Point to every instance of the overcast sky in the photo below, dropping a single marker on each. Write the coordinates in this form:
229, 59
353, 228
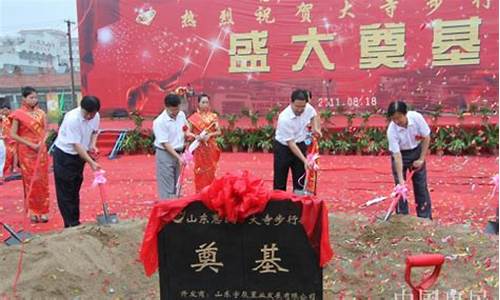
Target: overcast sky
18, 15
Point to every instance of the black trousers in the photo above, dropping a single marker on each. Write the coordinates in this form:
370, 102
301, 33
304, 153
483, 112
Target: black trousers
284, 159
68, 174
419, 179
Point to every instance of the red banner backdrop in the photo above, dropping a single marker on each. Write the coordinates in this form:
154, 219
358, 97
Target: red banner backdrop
358, 55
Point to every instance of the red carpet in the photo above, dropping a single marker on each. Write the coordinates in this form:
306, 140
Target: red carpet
459, 187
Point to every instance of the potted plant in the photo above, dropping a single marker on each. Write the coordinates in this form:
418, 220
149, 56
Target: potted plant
325, 146
250, 141
326, 115
485, 114
361, 143
491, 138
132, 142
231, 120
137, 118
265, 145
366, 117
456, 146
266, 134
377, 141
440, 142
473, 141
350, 118
438, 147
254, 118
234, 139
341, 147
269, 116
148, 143
221, 142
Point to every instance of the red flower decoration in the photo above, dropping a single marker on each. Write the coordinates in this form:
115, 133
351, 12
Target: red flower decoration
235, 197
184, 128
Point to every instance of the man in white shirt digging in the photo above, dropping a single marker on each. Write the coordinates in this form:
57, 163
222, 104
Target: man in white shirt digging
409, 137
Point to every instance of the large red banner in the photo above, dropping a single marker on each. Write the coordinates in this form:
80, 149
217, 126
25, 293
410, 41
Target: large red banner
357, 55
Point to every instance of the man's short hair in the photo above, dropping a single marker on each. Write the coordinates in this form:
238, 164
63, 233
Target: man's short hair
172, 100
397, 106
90, 104
300, 94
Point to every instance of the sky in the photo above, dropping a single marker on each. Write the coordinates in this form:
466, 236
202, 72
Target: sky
18, 15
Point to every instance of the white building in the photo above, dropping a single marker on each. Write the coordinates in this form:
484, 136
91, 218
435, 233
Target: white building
37, 51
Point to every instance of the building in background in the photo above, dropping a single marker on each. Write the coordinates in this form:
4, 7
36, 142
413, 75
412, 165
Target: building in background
39, 58
37, 51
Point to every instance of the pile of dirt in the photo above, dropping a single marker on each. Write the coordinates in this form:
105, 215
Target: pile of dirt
93, 262
85, 262
371, 257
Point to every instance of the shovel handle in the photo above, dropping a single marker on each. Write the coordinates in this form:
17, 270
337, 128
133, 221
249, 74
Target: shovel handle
424, 260
12, 232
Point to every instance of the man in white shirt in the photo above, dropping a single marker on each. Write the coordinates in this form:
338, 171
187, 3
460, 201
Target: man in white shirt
75, 142
289, 147
409, 136
170, 129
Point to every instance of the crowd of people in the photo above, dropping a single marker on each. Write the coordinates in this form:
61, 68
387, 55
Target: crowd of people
177, 139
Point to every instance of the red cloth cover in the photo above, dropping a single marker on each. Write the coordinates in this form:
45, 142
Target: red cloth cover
235, 198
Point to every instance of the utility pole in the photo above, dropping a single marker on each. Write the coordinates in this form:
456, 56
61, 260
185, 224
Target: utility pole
73, 94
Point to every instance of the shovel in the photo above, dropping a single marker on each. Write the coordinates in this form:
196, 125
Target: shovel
303, 191
423, 260
106, 218
492, 226
15, 238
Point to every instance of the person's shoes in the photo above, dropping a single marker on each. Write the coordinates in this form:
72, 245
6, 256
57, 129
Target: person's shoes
13, 176
44, 219
34, 219
72, 225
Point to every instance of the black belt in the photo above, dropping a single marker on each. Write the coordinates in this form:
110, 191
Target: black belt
179, 151
410, 150
298, 144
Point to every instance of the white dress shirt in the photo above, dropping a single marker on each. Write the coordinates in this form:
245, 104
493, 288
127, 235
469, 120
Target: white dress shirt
401, 138
76, 130
168, 130
292, 127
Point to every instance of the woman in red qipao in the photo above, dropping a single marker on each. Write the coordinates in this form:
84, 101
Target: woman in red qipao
10, 166
205, 126
28, 129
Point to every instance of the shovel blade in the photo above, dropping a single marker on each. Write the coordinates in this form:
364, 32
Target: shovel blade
17, 238
107, 219
491, 227
302, 193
